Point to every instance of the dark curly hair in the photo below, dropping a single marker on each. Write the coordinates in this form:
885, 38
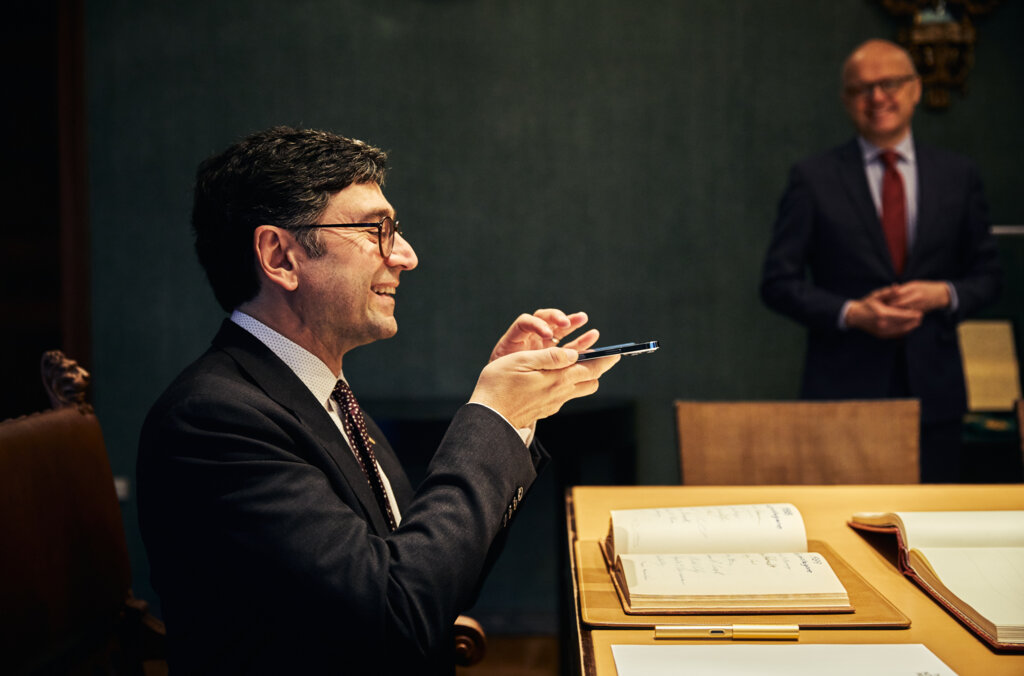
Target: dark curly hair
281, 176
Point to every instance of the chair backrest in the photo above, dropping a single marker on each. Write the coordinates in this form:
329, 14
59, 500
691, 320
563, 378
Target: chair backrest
1019, 405
798, 442
64, 565
991, 369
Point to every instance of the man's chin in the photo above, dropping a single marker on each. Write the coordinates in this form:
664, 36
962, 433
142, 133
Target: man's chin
882, 134
388, 330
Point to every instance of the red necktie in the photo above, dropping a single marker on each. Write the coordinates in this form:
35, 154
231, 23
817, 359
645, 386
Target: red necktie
894, 210
355, 428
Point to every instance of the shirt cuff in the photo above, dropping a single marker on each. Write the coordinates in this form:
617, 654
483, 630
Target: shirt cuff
954, 301
842, 316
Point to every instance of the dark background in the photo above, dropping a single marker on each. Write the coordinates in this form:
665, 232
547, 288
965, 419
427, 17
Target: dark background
623, 158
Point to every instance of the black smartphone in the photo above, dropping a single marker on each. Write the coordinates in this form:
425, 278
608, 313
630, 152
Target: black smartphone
624, 348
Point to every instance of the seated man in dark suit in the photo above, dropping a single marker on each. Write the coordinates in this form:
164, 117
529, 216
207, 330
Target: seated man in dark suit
880, 248
284, 536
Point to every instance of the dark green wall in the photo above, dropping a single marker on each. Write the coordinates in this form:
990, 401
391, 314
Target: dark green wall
624, 158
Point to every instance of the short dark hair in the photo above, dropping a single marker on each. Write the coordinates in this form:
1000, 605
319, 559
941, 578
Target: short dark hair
280, 176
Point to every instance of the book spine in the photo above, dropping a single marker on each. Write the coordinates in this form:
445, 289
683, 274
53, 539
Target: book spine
902, 554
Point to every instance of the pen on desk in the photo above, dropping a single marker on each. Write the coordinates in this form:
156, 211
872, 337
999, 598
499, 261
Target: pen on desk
773, 632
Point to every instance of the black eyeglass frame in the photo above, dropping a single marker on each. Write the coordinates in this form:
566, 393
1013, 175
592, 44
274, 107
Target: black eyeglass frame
382, 227
888, 85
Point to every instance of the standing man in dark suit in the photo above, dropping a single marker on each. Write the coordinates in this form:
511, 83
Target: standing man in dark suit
284, 536
895, 236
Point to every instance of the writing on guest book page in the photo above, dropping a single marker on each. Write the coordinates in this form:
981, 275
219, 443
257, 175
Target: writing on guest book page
730, 574
776, 527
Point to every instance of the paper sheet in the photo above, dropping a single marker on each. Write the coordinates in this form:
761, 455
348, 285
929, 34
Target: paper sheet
910, 659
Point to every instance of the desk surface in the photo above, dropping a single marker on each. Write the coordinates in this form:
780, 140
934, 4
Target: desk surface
826, 510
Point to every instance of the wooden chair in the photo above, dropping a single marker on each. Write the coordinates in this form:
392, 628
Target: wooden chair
798, 442
1020, 426
66, 605
470, 641
991, 369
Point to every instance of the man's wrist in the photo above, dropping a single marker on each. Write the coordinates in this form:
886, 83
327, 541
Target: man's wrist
525, 433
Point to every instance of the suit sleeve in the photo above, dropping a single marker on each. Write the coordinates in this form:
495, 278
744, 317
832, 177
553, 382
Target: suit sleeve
980, 282
786, 286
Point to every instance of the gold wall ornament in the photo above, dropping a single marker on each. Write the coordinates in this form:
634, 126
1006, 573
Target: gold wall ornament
940, 39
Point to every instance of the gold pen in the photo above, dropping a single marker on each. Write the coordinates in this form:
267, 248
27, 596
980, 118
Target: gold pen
768, 632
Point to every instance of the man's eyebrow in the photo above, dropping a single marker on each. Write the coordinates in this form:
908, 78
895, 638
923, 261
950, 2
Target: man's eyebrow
379, 214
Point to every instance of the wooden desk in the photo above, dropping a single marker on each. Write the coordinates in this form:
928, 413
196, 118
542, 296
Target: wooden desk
825, 510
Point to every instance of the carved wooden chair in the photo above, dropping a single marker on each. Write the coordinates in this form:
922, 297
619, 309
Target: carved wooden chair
66, 605
470, 641
798, 442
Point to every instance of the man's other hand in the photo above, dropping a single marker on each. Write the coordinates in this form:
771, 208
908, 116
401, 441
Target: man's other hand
881, 320
916, 295
544, 328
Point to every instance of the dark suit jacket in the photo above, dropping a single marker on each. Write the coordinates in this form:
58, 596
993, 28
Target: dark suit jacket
827, 225
267, 548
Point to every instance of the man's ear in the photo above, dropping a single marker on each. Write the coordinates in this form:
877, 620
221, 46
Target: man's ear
917, 92
275, 255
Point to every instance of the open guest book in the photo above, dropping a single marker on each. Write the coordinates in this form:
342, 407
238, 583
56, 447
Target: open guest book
719, 559
970, 562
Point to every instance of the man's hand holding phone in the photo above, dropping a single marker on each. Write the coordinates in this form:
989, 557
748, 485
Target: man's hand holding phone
529, 385
529, 378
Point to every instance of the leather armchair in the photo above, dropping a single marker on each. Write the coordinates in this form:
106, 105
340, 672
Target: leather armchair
65, 578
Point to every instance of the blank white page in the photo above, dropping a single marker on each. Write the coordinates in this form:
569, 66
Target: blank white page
734, 659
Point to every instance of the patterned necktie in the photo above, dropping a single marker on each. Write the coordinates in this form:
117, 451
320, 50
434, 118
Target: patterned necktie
355, 428
894, 210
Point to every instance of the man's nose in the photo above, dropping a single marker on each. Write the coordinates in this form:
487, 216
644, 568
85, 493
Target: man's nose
402, 255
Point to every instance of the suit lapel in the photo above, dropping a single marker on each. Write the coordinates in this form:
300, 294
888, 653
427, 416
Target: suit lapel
855, 182
282, 385
927, 198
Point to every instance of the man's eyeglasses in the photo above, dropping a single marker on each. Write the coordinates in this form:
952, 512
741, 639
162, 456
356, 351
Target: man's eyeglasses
889, 86
386, 229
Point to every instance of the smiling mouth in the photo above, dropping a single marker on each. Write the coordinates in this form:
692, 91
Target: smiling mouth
386, 291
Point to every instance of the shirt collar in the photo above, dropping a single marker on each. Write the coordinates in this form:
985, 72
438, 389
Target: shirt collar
313, 373
869, 151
